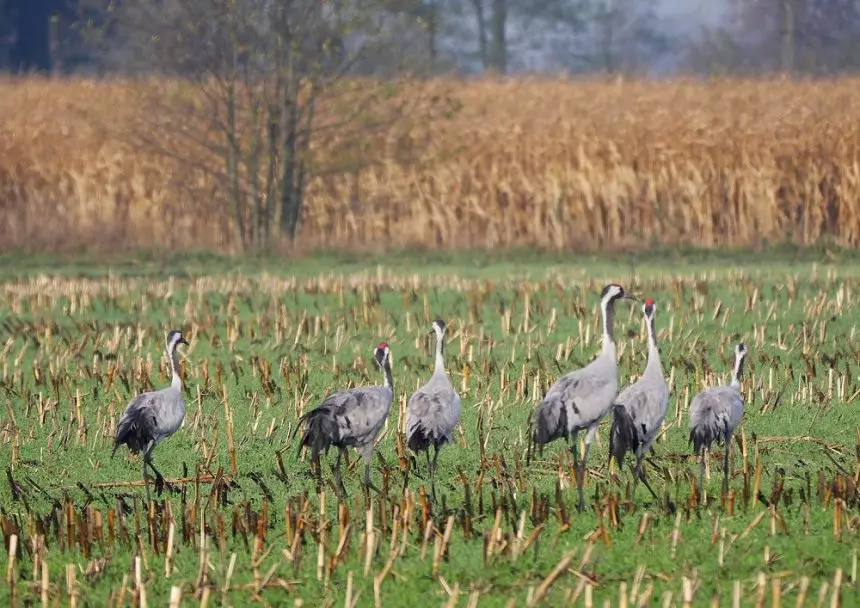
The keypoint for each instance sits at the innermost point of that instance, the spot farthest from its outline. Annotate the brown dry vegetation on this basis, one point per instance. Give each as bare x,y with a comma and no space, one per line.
547,163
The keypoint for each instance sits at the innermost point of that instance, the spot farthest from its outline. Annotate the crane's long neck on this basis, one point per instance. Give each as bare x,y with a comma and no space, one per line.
440,356
653,349
176,382
738,371
388,378
608,313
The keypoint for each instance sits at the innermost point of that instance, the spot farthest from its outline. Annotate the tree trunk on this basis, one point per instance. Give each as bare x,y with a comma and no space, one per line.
432,30
786,11
482,32
499,55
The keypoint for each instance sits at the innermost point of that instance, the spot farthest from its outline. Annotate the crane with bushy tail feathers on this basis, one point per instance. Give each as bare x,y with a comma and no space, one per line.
350,418
715,413
433,410
639,410
153,416
579,400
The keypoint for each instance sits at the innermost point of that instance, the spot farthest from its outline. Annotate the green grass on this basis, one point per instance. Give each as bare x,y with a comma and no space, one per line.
311,325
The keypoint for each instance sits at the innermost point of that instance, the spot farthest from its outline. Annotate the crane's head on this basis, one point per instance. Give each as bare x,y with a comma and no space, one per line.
174,339
382,355
649,308
613,292
740,351
438,327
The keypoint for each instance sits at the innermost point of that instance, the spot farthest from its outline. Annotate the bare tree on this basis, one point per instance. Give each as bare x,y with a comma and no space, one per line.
249,78
811,36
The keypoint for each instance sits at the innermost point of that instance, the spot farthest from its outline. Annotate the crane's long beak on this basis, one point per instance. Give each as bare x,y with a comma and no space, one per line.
628,296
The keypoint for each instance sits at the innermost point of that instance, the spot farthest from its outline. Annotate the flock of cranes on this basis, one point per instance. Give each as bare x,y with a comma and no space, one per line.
578,401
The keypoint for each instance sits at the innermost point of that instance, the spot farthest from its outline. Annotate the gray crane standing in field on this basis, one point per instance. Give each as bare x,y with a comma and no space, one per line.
639,410
715,413
579,400
433,410
350,418
153,416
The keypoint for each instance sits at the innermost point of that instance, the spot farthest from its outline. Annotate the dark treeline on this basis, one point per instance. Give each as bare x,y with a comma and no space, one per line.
819,37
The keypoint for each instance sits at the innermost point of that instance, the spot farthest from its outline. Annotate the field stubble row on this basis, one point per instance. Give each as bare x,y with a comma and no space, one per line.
590,165
244,521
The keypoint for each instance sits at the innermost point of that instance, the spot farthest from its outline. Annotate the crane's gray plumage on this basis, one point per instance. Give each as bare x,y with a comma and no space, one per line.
153,416
350,418
433,410
639,410
715,413
579,400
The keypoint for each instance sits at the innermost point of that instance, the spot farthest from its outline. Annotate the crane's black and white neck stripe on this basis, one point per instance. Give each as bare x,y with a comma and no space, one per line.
383,359
174,339
649,310
610,294
439,330
738,370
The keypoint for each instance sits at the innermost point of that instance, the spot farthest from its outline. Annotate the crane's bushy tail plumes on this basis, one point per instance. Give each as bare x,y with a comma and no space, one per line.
135,429
548,425
421,439
622,434
706,427
321,432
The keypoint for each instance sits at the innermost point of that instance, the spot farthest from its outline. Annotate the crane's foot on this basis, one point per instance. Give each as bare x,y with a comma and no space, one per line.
159,485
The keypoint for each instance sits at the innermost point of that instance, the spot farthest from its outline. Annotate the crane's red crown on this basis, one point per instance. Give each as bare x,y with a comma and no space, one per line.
649,302
383,345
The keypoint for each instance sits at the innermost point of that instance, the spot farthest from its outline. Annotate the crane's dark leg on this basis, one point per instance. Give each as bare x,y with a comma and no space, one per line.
338,476
574,450
159,478
580,477
147,459
702,472
726,465
640,474
433,471
145,482
368,483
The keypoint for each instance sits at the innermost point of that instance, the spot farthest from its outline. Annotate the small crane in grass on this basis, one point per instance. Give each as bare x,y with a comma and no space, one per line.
579,400
153,416
715,413
639,410
433,410
350,418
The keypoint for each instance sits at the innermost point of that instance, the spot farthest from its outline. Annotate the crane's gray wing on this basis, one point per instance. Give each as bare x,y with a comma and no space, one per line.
431,415
637,416
576,401
358,412
645,404
138,424
714,413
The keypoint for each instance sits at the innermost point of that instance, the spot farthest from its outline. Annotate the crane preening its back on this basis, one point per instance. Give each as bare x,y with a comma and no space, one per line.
579,400
639,410
433,410
715,413
350,418
153,416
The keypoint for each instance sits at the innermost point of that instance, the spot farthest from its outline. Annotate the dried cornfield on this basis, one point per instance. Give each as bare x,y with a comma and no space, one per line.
546,163
242,522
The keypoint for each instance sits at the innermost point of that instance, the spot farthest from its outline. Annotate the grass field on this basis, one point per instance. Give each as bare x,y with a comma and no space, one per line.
589,165
244,524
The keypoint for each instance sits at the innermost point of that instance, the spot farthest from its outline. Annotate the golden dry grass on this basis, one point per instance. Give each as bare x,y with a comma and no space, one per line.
524,162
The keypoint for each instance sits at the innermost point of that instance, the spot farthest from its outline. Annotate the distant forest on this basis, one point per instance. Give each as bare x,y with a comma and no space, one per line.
818,37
